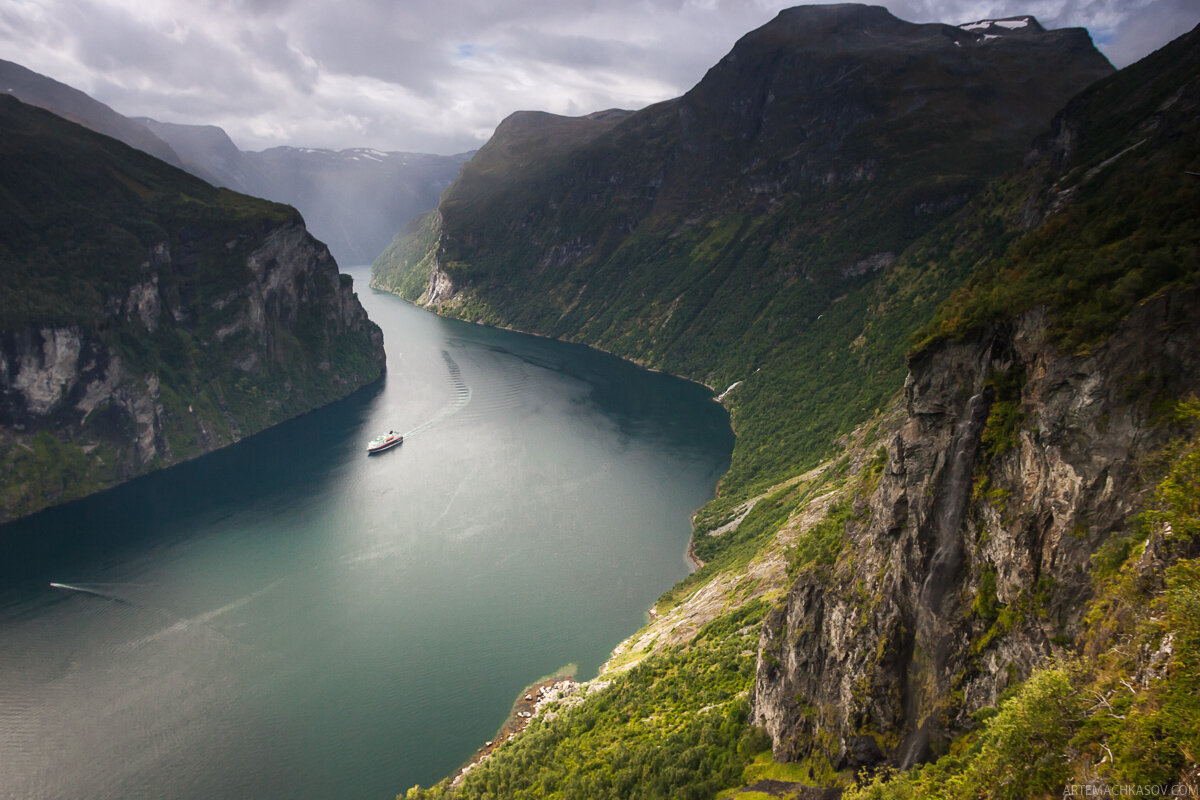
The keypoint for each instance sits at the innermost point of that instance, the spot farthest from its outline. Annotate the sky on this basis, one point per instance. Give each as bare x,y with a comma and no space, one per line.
437,76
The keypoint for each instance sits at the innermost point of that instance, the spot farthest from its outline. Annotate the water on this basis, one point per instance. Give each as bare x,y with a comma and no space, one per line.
291,618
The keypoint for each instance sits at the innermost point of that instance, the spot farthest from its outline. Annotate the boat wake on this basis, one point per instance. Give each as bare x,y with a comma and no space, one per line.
460,395
505,378
86,590
174,621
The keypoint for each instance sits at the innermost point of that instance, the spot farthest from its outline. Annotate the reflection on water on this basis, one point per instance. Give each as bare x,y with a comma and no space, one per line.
291,618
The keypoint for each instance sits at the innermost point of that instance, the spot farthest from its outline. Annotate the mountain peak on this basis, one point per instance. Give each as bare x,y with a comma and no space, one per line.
830,26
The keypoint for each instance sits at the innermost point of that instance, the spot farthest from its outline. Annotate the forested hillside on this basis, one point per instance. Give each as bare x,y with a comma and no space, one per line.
986,584
150,317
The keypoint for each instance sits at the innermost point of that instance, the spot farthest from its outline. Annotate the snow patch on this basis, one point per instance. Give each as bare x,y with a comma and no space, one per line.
1013,24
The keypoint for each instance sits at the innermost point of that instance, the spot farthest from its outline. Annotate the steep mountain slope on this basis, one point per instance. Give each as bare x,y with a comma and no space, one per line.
69,103
149,317
729,234
1039,500
208,152
353,200
1001,568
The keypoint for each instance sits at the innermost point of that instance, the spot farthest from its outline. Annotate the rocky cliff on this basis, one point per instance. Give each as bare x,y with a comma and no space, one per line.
1039,417
970,562
988,587
149,317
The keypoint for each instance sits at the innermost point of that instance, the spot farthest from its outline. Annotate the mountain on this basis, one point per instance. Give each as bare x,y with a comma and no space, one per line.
958,551
732,234
69,103
353,200
1028,548
149,317
207,152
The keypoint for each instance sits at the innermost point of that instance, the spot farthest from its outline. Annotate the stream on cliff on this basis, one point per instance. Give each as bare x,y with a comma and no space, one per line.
291,618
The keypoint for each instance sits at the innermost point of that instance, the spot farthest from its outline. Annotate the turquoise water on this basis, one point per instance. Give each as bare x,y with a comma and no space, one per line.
290,618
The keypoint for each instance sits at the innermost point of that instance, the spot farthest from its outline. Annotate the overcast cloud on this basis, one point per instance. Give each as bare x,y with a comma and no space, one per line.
438,75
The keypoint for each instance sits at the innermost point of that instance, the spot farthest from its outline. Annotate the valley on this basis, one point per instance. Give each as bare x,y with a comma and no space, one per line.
938,446
901,315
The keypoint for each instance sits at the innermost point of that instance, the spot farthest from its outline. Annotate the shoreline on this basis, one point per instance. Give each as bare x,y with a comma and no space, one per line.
526,706
692,559
562,685
371,284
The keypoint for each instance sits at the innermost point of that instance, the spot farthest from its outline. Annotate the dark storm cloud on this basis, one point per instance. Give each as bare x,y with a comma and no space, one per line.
438,75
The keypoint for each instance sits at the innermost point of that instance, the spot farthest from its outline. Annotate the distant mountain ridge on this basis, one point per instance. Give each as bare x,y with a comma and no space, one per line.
353,200
70,103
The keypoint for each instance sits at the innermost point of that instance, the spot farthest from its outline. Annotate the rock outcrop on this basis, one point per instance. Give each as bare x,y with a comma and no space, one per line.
184,320
1039,409
1014,463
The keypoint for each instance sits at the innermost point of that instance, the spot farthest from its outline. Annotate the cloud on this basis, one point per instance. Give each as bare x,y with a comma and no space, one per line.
438,75
1154,25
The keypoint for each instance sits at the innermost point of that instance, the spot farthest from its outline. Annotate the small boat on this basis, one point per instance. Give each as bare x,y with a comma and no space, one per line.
385,442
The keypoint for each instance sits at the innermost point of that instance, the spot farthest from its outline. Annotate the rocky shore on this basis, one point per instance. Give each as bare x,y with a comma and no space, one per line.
560,689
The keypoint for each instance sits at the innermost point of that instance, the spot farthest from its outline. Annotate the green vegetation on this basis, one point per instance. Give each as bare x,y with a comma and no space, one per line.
413,253
1126,711
1131,230
68,245
1086,267
1005,415
672,727
1019,752
822,544
814,301
146,269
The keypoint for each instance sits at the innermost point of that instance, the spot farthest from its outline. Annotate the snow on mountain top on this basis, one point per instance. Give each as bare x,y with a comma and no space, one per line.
990,25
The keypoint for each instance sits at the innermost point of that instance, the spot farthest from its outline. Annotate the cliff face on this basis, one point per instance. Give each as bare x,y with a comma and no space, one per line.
971,559
178,324
1039,411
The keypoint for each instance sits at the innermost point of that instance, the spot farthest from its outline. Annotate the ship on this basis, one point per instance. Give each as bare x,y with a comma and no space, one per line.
385,442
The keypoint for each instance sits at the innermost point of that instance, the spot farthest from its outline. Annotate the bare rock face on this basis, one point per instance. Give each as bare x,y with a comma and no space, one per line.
440,288
968,564
103,395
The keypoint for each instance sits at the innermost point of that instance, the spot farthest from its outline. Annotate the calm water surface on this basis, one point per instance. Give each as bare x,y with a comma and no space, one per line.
289,618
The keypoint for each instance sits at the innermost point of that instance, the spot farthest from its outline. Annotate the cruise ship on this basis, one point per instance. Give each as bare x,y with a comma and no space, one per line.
385,442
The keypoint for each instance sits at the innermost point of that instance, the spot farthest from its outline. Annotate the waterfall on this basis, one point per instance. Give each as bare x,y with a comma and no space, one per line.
950,507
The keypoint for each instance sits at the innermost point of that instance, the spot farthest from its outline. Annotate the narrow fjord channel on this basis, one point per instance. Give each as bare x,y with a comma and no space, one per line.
290,618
